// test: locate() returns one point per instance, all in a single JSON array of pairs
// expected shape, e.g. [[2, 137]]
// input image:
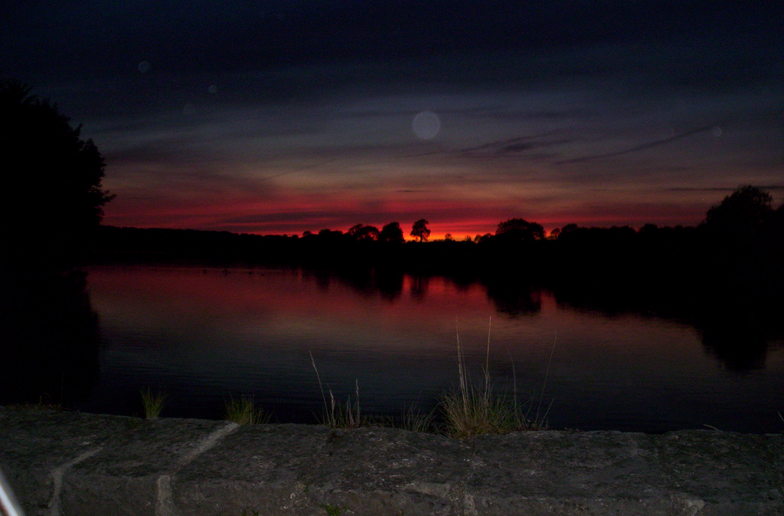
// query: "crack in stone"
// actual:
[[57, 477], [208, 442], [164, 505]]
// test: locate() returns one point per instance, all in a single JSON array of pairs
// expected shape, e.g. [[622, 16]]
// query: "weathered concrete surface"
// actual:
[[70, 463]]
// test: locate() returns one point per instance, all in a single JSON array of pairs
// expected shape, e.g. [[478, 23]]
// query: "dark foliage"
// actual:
[[519, 230], [391, 233], [362, 233], [741, 215], [420, 230], [51, 197]]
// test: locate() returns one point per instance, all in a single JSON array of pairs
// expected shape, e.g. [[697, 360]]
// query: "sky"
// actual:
[[286, 116]]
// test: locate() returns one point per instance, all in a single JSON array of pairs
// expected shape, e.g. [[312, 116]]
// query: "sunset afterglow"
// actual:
[[281, 117]]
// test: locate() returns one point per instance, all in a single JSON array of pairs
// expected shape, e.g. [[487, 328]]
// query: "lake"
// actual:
[[203, 335]]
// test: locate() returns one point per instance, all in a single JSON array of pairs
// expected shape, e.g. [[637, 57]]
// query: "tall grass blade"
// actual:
[[318, 377], [487, 360], [337, 415], [546, 376]]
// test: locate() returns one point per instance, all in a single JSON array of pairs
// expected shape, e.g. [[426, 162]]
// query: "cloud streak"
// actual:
[[637, 148]]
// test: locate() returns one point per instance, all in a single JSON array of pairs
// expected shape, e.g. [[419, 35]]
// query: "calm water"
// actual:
[[203, 335]]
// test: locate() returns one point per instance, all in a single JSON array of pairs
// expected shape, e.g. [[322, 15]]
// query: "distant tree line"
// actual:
[[743, 220], [391, 233], [743, 227]]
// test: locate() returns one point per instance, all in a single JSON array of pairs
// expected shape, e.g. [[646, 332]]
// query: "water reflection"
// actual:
[[740, 338], [514, 299], [367, 281], [621, 361], [733, 329], [50, 338], [737, 329]]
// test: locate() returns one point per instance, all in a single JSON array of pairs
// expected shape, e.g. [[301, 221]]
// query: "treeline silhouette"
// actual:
[[739, 245]]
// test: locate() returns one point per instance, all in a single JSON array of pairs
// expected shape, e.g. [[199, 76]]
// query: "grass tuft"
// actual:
[[152, 403], [332, 510], [416, 421], [473, 410], [338, 415], [42, 403], [243, 411]]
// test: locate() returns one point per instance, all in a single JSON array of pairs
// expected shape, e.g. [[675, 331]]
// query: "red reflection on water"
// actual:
[[205, 295]]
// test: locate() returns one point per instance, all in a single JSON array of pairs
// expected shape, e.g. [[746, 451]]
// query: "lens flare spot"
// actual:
[[144, 66], [426, 125], [716, 131], [212, 88]]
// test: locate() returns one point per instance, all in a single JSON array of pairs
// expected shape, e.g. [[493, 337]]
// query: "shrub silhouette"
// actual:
[[741, 215], [361, 233], [519, 230], [391, 233], [52, 197]]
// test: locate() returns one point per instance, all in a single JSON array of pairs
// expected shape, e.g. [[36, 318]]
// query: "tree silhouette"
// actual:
[[741, 215], [419, 230], [391, 233], [51, 198], [360, 232], [519, 230]]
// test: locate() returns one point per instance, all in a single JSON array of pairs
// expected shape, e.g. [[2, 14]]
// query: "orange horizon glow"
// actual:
[[458, 230]]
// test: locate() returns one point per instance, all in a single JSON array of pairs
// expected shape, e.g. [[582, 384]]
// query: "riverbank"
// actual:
[[74, 463]]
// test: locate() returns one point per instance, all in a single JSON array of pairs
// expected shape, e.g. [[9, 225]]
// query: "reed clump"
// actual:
[[152, 403], [414, 420], [467, 411], [339, 415], [244, 411], [473, 410]]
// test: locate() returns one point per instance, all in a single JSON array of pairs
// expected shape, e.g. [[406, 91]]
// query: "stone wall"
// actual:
[[73, 463]]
